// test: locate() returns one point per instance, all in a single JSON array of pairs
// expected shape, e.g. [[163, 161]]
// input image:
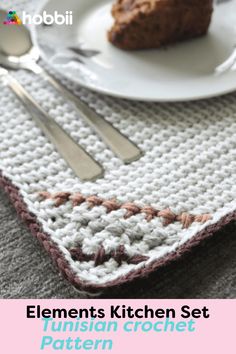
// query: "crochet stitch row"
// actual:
[[168, 215]]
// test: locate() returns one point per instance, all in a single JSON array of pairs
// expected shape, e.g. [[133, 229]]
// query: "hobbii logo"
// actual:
[[48, 19]]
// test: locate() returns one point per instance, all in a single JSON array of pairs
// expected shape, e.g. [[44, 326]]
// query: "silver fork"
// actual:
[[17, 51], [84, 166]]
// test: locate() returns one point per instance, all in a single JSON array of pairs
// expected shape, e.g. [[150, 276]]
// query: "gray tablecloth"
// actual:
[[24, 266]]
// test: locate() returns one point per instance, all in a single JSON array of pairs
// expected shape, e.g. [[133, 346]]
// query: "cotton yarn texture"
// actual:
[[188, 170]]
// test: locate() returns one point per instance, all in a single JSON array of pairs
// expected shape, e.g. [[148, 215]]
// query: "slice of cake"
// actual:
[[143, 24]]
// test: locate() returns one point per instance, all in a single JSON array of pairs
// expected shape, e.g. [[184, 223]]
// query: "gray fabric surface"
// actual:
[[26, 271]]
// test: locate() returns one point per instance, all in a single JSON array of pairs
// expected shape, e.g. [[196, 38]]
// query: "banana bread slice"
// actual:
[[146, 24]]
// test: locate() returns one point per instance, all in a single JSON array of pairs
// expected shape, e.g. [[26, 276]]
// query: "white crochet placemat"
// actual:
[[139, 216]]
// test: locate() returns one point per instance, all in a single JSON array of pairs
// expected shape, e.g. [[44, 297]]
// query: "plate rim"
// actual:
[[100, 90]]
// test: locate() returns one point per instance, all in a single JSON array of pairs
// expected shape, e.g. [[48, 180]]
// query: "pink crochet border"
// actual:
[[62, 263]]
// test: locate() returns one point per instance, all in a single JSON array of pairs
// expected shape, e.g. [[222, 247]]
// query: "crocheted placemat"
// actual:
[[139, 216]]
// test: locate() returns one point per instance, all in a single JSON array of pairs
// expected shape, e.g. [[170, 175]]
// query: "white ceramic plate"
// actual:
[[191, 70]]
